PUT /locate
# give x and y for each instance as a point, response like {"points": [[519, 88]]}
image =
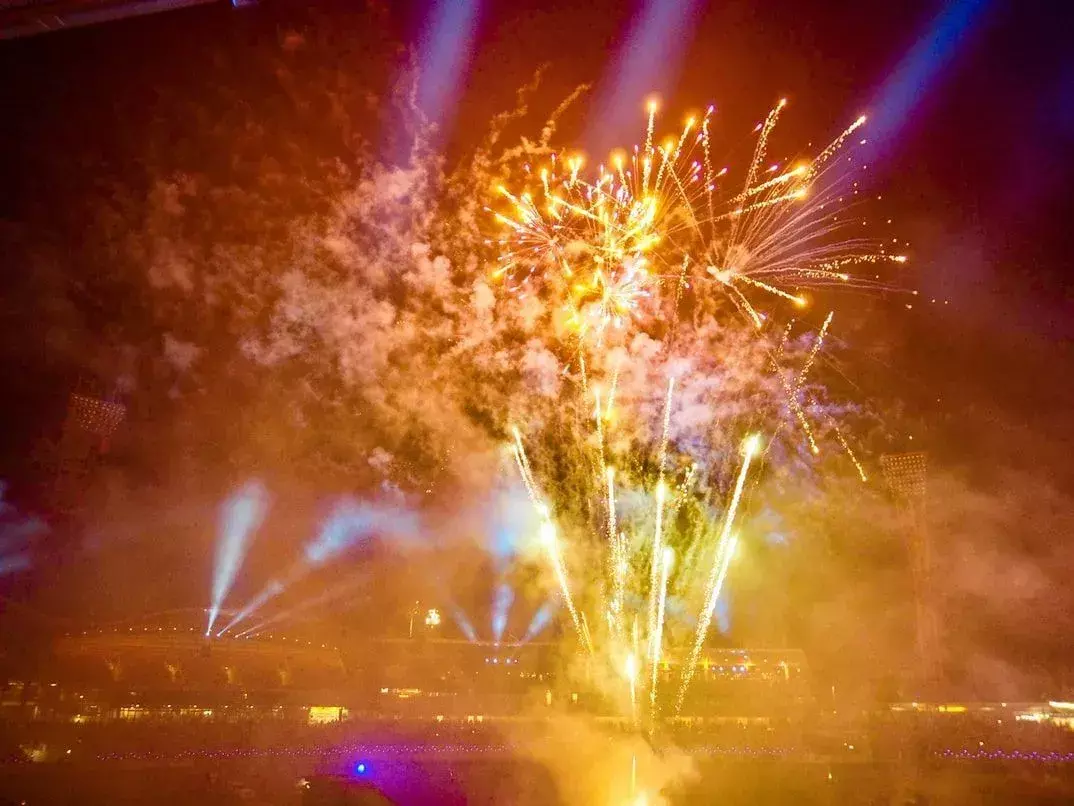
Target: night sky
{"points": [[975, 155], [978, 167]]}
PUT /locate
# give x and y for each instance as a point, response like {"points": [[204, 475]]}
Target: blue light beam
{"points": [[241, 515], [502, 600], [269, 592], [649, 60], [349, 522], [445, 45], [463, 622], [352, 521], [910, 81], [541, 619]]}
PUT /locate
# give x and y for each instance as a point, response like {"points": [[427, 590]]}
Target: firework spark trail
{"points": [[719, 569], [654, 567], [771, 289], [758, 156], [586, 635], [665, 426], [658, 636], [812, 357], [719, 574], [551, 542], [618, 555], [598, 420], [682, 491], [833, 147], [660, 496], [631, 671], [611, 392], [649, 146], [549, 538], [770, 183], [850, 453], [524, 470], [796, 406]]}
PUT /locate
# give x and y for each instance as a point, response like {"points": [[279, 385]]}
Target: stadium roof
{"points": [[29, 17]]}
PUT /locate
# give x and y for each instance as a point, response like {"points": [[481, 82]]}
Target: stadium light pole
{"points": [[906, 475]]}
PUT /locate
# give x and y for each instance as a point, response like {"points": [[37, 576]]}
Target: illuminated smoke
{"points": [[352, 521], [240, 517]]}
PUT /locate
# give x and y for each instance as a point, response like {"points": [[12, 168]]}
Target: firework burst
{"points": [[615, 250], [602, 244]]}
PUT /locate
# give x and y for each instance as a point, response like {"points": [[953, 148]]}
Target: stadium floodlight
{"points": [[907, 476]]}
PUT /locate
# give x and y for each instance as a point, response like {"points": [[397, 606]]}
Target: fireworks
{"points": [[615, 251], [607, 243]]}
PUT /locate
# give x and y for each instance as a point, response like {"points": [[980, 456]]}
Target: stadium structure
{"points": [[170, 670]]}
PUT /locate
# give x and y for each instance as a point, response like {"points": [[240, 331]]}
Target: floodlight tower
{"points": [[90, 424], [907, 475]]}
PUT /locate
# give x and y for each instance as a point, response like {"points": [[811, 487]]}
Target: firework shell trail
{"points": [[725, 550], [668, 559], [661, 494], [551, 543]]}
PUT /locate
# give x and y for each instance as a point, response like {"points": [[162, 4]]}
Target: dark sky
{"points": [[979, 170], [978, 173]]}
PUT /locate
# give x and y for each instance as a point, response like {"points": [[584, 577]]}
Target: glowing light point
{"points": [[548, 533], [752, 445]]}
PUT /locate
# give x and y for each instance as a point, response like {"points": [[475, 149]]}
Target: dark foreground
{"points": [[475, 779]]}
